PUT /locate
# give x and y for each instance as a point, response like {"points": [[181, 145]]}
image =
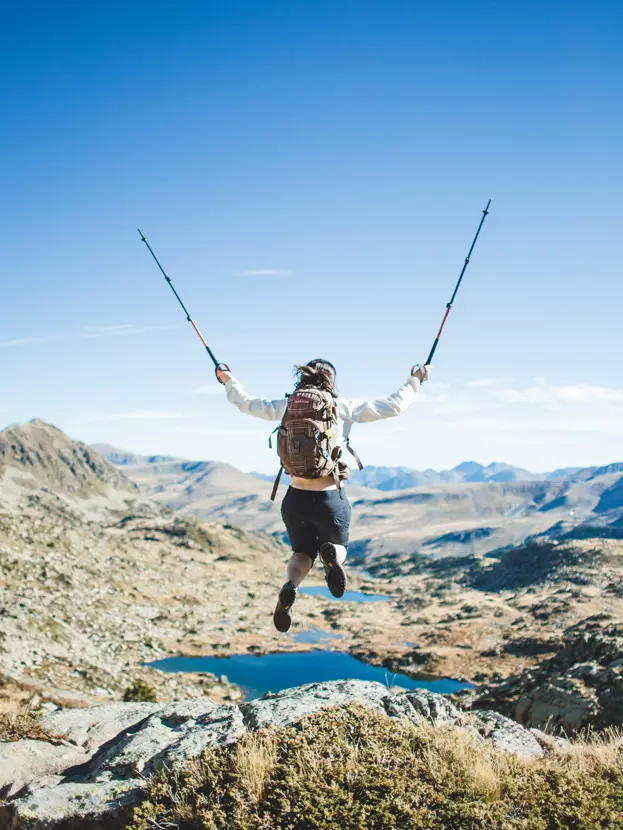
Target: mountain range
{"points": [[470, 510], [377, 477]]}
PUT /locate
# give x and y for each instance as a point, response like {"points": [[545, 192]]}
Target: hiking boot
{"points": [[283, 612], [333, 557]]}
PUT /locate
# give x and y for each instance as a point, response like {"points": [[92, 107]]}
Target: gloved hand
{"points": [[422, 373]]}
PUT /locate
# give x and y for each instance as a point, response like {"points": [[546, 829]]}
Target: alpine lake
{"points": [[258, 674]]}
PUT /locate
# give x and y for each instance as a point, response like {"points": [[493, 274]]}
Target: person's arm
{"points": [[258, 407], [363, 412]]}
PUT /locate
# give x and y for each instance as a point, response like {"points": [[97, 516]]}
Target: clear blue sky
{"points": [[349, 147]]}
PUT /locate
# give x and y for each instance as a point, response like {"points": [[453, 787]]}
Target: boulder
{"points": [[565, 702], [113, 749], [291, 705], [508, 736], [422, 707], [92, 727], [67, 806]]}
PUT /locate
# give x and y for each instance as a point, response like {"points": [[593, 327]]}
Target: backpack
{"points": [[307, 437]]}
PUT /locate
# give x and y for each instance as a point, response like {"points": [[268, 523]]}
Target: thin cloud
{"points": [[570, 395], [119, 330], [219, 431], [148, 415], [25, 341], [541, 423], [97, 331], [211, 389], [87, 333], [265, 272], [488, 383]]}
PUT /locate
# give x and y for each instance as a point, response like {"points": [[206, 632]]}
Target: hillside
{"points": [[39, 463], [96, 579], [478, 512]]}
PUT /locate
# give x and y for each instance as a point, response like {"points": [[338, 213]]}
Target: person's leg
{"points": [[299, 566], [333, 527], [295, 511]]}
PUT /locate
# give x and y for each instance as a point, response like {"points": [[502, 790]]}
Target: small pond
{"points": [[349, 596], [257, 675], [316, 635]]}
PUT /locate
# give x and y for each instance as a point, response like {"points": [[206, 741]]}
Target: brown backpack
{"points": [[307, 437]]}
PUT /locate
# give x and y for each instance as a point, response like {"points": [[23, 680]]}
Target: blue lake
{"points": [[257, 675], [349, 596]]}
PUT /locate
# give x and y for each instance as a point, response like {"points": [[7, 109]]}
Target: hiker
{"points": [[315, 425]]}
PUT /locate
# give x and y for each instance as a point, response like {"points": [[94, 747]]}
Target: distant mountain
{"points": [[40, 464], [379, 477], [205, 489], [121, 458], [402, 514], [399, 478]]}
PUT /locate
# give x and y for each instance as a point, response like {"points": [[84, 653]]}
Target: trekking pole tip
{"points": [[141, 234]]}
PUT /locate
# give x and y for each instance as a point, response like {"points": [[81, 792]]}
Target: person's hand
{"points": [[223, 377], [422, 373]]}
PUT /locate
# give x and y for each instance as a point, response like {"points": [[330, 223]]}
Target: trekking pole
{"points": [[456, 290], [217, 366]]}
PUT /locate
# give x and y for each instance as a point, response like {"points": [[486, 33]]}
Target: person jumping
{"points": [[315, 424]]}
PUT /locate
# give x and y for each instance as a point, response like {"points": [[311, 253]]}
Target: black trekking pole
{"points": [[217, 366], [456, 290]]}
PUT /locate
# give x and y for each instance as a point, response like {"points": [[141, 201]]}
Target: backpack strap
{"points": [[270, 437], [276, 484], [353, 453], [338, 482]]}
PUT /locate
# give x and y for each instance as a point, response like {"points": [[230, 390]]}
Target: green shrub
{"points": [[140, 692], [355, 769]]}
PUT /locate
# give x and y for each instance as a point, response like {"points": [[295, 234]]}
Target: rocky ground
{"points": [[581, 686], [96, 764], [96, 582]]}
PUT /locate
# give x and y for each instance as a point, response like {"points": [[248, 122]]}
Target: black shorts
{"points": [[313, 517]]}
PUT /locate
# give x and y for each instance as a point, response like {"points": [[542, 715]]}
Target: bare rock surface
{"points": [[291, 705], [29, 760], [423, 706], [581, 686], [94, 786], [90, 728], [508, 736]]}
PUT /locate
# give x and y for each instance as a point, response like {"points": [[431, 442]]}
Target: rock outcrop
{"points": [[581, 686], [109, 751]]}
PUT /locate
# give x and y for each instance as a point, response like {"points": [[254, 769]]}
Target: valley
{"points": [[99, 579]]}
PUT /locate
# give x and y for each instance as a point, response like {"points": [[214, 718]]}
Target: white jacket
{"points": [[349, 411]]}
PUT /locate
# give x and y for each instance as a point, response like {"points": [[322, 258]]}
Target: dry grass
{"points": [[255, 762], [590, 750], [355, 769], [25, 724]]}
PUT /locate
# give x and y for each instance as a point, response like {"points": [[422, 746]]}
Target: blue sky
{"points": [[311, 176]]}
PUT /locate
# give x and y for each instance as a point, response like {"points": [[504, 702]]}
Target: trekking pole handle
{"points": [[416, 368], [221, 367]]}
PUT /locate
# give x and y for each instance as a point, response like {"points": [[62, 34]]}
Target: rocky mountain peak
{"points": [[38, 455]]}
